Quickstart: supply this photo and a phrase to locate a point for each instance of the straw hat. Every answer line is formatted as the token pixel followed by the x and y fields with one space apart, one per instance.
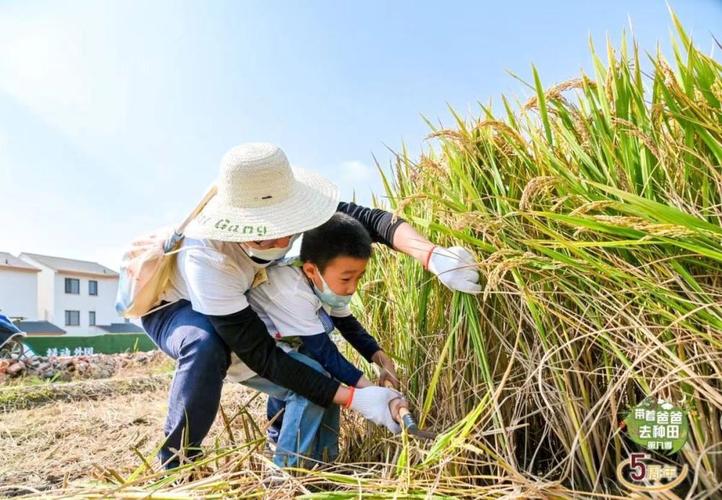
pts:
pixel 260 197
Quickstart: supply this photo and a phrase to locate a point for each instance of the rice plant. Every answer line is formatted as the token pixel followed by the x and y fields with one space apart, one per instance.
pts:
pixel 595 210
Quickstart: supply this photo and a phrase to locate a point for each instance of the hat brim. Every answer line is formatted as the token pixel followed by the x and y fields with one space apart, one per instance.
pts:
pixel 312 202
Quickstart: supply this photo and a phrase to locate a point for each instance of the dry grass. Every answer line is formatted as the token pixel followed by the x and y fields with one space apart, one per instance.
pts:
pixel 19 397
pixel 97 424
pixel 94 443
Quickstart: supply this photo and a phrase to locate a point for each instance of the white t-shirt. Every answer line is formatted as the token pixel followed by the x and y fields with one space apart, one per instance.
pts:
pixel 214 276
pixel 287 304
pixel 288 307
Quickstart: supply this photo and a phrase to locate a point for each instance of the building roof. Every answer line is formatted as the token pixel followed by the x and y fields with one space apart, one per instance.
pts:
pixel 9 261
pixel 72 266
pixel 37 327
pixel 121 328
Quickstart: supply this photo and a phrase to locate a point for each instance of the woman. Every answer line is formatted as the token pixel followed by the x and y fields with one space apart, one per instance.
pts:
pixel 261 207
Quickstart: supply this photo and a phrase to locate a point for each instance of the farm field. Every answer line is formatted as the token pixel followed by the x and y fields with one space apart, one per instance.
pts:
pixel 81 430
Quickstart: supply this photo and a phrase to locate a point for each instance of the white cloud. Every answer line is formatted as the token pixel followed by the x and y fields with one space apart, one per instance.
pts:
pixel 47 64
pixel 356 172
pixel 358 180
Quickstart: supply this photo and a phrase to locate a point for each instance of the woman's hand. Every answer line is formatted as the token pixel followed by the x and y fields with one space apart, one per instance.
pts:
pixel 388 370
pixel 455 267
pixel 373 403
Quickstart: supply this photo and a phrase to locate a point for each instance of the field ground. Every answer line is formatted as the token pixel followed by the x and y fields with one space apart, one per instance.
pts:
pixel 94 424
pixel 98 438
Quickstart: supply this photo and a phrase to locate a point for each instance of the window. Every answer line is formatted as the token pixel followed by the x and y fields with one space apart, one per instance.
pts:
pixel 91 318
pixel 72 285
pixel 72 318
pixel 92 287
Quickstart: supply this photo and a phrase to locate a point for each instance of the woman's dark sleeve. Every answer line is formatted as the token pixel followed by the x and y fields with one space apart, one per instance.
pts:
pixel 322 349
pixel 357 336
pixel 380 224
pixel 247 336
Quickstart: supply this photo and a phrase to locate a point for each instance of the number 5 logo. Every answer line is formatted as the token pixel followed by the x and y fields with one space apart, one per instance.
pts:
pixel 636 463
pixel 639 473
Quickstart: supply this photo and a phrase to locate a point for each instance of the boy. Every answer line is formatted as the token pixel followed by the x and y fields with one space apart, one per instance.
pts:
pixel 303 300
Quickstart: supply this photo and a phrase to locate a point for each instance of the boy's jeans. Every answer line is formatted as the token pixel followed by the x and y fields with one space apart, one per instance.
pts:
pixel 307 429
pixel 202 361
pixel 274 406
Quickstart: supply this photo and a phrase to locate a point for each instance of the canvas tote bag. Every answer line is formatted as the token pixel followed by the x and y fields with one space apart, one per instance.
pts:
pixel 148 265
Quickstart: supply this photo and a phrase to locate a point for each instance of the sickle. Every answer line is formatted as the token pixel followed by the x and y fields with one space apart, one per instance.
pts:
pixel 412 427
pixel 409 422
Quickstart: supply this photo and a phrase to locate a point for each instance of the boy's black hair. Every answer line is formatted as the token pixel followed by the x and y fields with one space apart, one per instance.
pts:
pixel 340 236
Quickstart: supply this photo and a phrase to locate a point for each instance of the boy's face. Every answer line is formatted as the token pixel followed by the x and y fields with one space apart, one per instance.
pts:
pixel 342 274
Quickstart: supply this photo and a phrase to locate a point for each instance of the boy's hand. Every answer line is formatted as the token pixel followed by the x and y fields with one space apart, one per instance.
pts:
pixel 388 370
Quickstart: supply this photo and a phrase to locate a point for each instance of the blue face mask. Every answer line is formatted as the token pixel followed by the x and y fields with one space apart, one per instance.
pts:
pixel 328 297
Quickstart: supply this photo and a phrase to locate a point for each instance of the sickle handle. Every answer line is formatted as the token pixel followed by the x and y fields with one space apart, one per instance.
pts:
pixel 406 418
pixel 409 422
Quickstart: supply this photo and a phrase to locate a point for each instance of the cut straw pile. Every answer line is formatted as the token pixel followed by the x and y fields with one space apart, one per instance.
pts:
pixel 595 212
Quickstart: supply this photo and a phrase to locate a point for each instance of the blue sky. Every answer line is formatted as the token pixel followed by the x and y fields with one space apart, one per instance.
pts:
pixel 114 115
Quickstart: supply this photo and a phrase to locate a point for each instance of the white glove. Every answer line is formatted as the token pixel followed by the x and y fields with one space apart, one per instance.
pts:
pixel 373 404
pixel 456 268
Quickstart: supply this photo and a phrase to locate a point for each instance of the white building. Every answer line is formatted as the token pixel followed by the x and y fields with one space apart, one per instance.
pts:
pixel 18 288
pixel 77 295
